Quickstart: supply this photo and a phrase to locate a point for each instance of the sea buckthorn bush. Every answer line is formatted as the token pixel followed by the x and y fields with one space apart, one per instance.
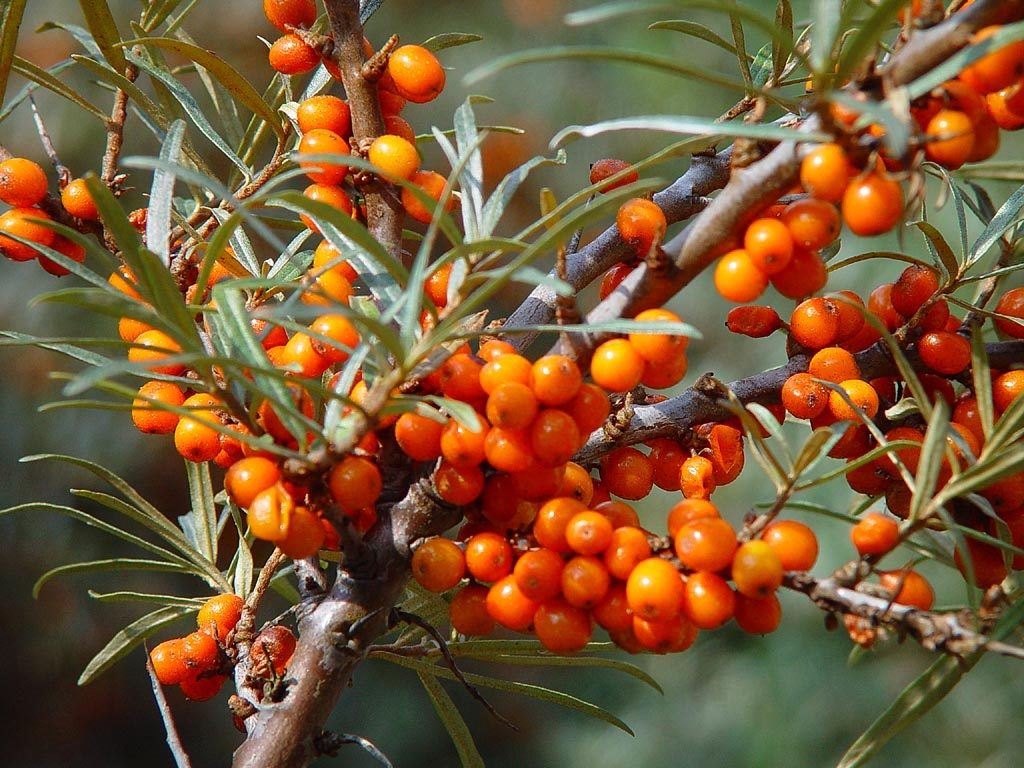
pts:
pixel 410 418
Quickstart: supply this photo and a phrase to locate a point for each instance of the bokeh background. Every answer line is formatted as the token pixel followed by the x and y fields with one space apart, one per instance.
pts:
pixel 796 698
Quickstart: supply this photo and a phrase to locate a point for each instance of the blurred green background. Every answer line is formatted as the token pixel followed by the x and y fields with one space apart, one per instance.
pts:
pixel 791 698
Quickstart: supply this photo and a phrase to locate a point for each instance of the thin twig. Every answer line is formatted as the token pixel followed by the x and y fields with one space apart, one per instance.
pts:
pixel 63 174
pixel 181 758
pixel 330 743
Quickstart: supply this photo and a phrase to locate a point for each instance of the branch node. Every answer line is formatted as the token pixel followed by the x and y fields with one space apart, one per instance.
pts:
pixel 374 67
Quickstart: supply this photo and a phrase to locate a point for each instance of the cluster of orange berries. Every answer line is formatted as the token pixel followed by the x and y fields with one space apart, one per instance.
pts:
pixel 23 186
pixel 583 564
pixel 200 662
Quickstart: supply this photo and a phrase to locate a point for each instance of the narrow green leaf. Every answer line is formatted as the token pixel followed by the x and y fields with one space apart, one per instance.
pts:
pixel 510 686
pixel 161 196
pixel 780 52
pixel 694 29
pixel 101 24
pixel 158 525
pixel 692 126
pixel 495 206
pixel 203 516
pixel 942 249
pixel 866 36
pixel 190 603
pixel 825 15
pixel 51 83
pixel 242 567
pixel 742 57
pixel 917 699
pixel 981 375
pixel 10 22
pixel 1005 218
pixel 933 451
pixel 449 40
pixel 115 564
pixel 228 76
pixel 125 641
pixel 113 216
pixel 813 449
pixel 188 103
pixel 469 755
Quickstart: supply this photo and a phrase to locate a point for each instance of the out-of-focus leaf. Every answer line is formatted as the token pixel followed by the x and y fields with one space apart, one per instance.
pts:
pixel 866 36
pixel 495 206
pixel 951 67
pixel 10 23
pixel 101 24
pixel 825 15
pixel 227 75
pixel 780 52
pixel 1005 218
pixel 469 755
pixel 693 126
pixel 128 638
pixel 115 564
pixel 694 29
pixel 449 40
pixel 51 83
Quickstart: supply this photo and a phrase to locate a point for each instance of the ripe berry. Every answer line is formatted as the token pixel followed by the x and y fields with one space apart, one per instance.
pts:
pixel 509 450
pixel 613 277
pixel 507 605
pixel 418 436
pixel 813 224
pixel 538 574
pixel 1011 303
pixel 305 536
pixel 805 274
pixel 815 323
pixel 951 138
pixel 432 185
pixel 613 612
pixel 667 457
pixel 321 141
pixel 22 182
pixel 327 112
pixel 672 636
pixel 753 321
pixel 555 379
pixel 872 205
pixel 202 688
pixel 460 378
pixel 875 534
pixel 562 627
pixel 641 224
pixel 708 600
pixel 458 486
pixel 758 616
pixel 395 157
pixel 220 614
pixel 825 172
pixel 488 557
pixel 628 473
pixel 272 649
pixel 354 483
pixel 468 611
pixel 554 437
pixel 997 70
pixel 944 352
pixel 756 569
pixel 616 366
pixel 627 546
pixel 658 347
pixel 697 478
pixel 250 476
pixel 804 397
pixel 416 73
pixel 606 167
pixel 915 285
pixel 686 510
pixel 1006 388
pixel 168 662
pixel 20 223
pixel 909 588
pixel 285 13
pixel 438 564
pixel 793 542
pixel 588 533
pixel 706 544
pixel 291 55
pixel 737 277
pixel 833 364
pixel 769 245
pixel 861 394
pixel 585 581
pixel 655 590
pixel 146 414
pixel 511 405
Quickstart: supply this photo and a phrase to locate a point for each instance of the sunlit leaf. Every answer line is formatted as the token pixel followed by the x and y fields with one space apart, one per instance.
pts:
pixel 449 40
pixel 694 126
pixel 114 564
pixel 125 641
pixel 101 24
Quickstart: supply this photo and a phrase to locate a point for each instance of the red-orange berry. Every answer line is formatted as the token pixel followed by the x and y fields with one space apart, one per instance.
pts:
pixel 794 543
pixel 459 486
pixel 706 544
pixel 655 590
pixel 616 366
pixel 708 600
pixel 606 167
pixel 509 606
pixel 585 581
pixel 168 662
pixel 554 437
pixel 20 222
pixel 538 574
pixel 321 141
pixel 468 611
pixel 285 13
pixel 250 476
pixel 805 274
pixel 875 534
pixel 756 569
pixel 756 322
pixel 812 223
pixel 628 473
pixel 997 70
pixel 944 352
pixel 220 614
pixel 291 55
pixel 815 323
pixel 737 277
pixel 418 436
pixel 354 482
pixel 511 405
pixel 272 649
pixel 909 588
pixel 488 557
pixel 641 224
pixel 431 184
pixel 562 627
pixel 758 615
pixel 1011 304
pixel 552 519
pixel 588 533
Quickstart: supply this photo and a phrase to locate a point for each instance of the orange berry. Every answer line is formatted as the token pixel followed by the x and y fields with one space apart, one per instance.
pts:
pixel 341 335
pixel 285 13
pixel 554 437
pixel 815 323
pixel 168 662
pixel 875 534
pixel 655 590
pixel 833 364
pixel 438 564
pixel 872 205
pixel 20 223
pixel 769 245
pixel 65 247
pixel 588 533
pixel 291 55
pixel 416 73
pixel 658 347
pixel 1006 388
pixel 418 436
pixel 305 536
pixel 628 473
pixel 562 627
pixel 22 182
pixel 432 185
pixel 219 615
pixel 726 453
pixel 589 408
pixel 697 478
pixel 915 285
pixel 1001 107
pixel 997 70
pixel 805 274
pixel 505 368
pixel 756 569
pixel 538 574
pixel 951 138
pixel 512 405
pixel 813 224
pixel 195 440
pixel 507 605
pixel 627 546
pixel 641 224
pixel 794 543
pixel 686 510
pixel 753 321
pixel 328 257
pixel 909 588
pixel 551 522
pixel 706 544
pixel 270 513
pixel 1011 304
pixel 672 636
pixel 861 394
pixel 146 414
pixel 327 112
pixel 462 447
pixel 250 476
pixel 336 197
pixel 436 285
pixel 758 615
pixel 321 141
pixel 585 581
pixel 804 397
pixel 555 379
pixel 616 366
pixel 613 612
pixel 468 611
pixel 509 450
pixel 578 485
pixel 619 513
pixel 489 557
pixel 460 378
pixel 458 486
pixel 395 157
pixel 738 278
pixel 708 601
pixel 825 172
pixel 354 483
